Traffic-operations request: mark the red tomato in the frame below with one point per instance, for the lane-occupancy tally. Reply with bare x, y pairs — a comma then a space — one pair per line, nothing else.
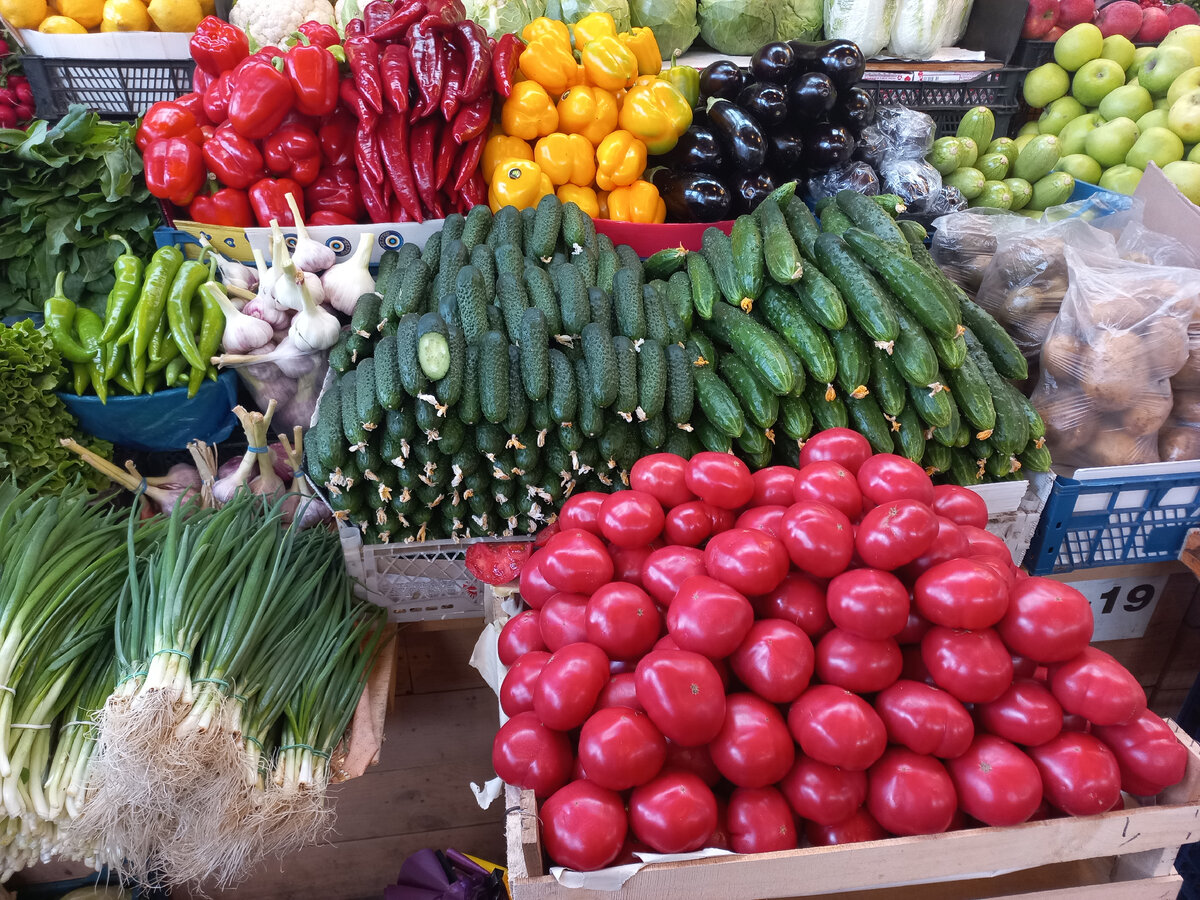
528, 755
673, 813
583, 826
974, 666
1149, 754
516, 691
960, 505
775, 660
622, 620
984, 543
773, 486
822, 793
750, 562
895, 533
858, 828
620, 748
829, 483
496, 563
996, 783
914, 667
1047, 621
1097, 687
915, 627
519, 635
722, 519
1026, 714
664, 477
688, 524
925, 720
621, 690
819, 538
961, 593
908, 793
696, 760
576, 561
535, 589
683, 695
1080, 775
768, 519
582, 511
631, 518
837, 727
753, 747
798, 600
668, 568
628, 562
856, 663
949, 544
709, 617
1023, 667
720, 479
760, 821
870, 603
840, 445
886, 477
563, 620
571, 681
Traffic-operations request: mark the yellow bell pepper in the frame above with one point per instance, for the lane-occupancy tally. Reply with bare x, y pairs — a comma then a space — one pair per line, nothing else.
638, 202
657, 114
528, 113
589, 111
543, 26
520, 183
566, 159
500, 148
592, 26
602, 203
620, 160
583, 197
550, 63
644, 47
609, 64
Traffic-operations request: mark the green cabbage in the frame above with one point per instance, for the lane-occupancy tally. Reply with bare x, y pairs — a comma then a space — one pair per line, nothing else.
571, 11
737, 27
502, 16
672, 21
798, 20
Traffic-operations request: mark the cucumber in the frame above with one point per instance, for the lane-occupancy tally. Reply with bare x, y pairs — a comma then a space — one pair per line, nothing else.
585, 261
326, 441
974, 397
652, 379
578, 230
449, 388
933, 405
360, 347
387, 373
850, 348
573, 302
746, 242
539, 415
508, 258
415, 285
352, 426
786, 317
718, 403
757, 345
628, 258
909, 438
834, 221
703, 285
412, 376
447, 308
482, 259
427, 416
784, 263
546, 225
469, 293
864, 299
490, 440
626, 401
914, 233
1011, 431
758, 401
867, 419
717, 249
1001, 465
452, 227
388, 269
454, 257
433, 346
535, 359
612, 441
948, 435
906, 280
366, 320
431, 253
506, 227
869, 217
799, 380
563, 395
820, 300
540, 290
912, 352
339, 354
493, 376
681, 394
1033, 420
887, 385
1035, 458
795, 418
602, 308
681, 443
518, 404
950, 352
606, 262
754, 447
652, 305
601, 358
679, 299
1000, 347
591, 416
665, 263
827, 408
674, 327
654, 432
802, 225
711, 437
630, 313
513, 301
937, 458
477, 227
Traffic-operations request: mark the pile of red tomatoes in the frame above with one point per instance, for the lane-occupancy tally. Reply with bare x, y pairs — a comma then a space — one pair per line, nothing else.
834, 653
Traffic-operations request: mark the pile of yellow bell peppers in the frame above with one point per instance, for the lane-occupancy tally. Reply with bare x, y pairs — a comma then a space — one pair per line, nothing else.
589, 108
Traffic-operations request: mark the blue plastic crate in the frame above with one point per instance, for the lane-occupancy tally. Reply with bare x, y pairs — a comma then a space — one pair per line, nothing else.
1114, 521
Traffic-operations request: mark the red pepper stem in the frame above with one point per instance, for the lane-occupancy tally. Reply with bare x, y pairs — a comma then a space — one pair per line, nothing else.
277, 62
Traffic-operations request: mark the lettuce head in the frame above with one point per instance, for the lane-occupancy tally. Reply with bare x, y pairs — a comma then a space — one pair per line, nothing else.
571, 11
672, 21
799, 20
502, 16
737, 27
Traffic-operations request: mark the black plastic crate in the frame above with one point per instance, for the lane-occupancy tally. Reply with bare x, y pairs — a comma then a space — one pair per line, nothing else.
123, 88
948, 101
1031, 54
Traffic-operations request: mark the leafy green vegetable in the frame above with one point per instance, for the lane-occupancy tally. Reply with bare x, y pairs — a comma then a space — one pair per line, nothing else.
571, 11
673, 23
34, 418
502, 16
737, 27
799, 20
63, 191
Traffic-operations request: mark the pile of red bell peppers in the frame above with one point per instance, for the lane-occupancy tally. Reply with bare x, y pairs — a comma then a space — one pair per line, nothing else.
385, 123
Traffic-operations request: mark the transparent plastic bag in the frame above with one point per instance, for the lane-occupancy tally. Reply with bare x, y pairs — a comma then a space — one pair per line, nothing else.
1139, 244
964, 242
857, 176
910, 179
1180, 435
872, 146
947, 199
289, 377
909, 133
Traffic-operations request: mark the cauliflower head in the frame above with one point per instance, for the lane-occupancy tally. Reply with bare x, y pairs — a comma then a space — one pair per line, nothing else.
271, 21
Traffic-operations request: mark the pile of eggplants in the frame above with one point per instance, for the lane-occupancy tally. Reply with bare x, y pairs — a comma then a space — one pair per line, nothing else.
797, 111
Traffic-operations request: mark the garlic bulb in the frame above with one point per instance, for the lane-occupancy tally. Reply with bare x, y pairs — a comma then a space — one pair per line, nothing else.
313, 328
349, 280
309, 255
243, 333
263, 305
233, 274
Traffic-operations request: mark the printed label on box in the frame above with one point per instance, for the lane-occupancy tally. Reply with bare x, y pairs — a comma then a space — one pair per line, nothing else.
1122, 607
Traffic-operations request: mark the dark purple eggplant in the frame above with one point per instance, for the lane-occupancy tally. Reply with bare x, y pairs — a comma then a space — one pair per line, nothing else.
697, 150
740, 136
843, 62
693, 196
749, 191
766, 102
810, 97
855, 109
827, 145
774, 62
785, 150
722, 78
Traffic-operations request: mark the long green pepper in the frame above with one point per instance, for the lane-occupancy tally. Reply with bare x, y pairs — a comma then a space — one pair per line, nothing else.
59, 314
212, 329
90, 326
123, 297
191, 275
160, 273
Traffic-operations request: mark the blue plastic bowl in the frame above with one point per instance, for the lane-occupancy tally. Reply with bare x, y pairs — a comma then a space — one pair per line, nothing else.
164, 420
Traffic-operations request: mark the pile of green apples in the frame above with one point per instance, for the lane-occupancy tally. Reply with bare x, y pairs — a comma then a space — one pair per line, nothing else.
1116, 108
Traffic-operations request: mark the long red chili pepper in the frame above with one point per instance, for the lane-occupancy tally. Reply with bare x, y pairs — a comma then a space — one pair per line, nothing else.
447, 155
363, 56
428, 66
473, 193
468, 161
404, 15
452, 83
395, 71
472, 120
394, 143
473, 42
504, 63
421, 145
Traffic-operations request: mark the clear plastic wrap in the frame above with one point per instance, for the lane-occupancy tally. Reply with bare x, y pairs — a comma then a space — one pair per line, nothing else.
948, 199
964, 242
1121, 334
911, 179
856, 176
872, 146
1180, 435
909, 132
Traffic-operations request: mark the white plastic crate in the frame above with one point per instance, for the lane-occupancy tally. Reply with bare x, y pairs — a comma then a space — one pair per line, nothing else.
1014, 509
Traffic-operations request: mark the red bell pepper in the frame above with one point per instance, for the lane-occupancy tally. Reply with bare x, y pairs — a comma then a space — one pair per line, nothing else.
218, 46
394, 144
174, 169
216, 98
293, 151
404, 15
200, 80
268, 197
335, 190
234, 160
363, 56
472, 40
208, 131
325, 217
337, 138
451, 82
261, 97
193, 102
504, 63
356, 27
394, 72
313, 73
228, 206
320, 34
167, 119
472, 120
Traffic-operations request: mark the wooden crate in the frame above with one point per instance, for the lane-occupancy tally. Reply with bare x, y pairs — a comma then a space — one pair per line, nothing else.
1120, 855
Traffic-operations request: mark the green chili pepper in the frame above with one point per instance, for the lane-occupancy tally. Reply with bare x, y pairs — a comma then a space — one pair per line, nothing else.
159, 274
686, 80
154, 380
175, 369
79, 377
114, 355
124, 295
162, 348
212, 329
125, 381
59, 313
191, 275
90, 326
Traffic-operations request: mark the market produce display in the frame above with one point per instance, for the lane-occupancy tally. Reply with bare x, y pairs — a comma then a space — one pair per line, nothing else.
761, 672
16, 97
909, 29
104, 16
1145, 22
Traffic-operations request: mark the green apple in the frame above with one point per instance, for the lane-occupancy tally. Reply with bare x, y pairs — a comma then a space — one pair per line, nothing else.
1185, 176
1184, 83
1045, 84
1139, 57
1155, 145
1156, 118
1030, 128
1194, 154
1120, 50
1129, 100
1123, 179
1109, 144
1095, 80
1162, 67
1184, 117
1186, 36
1079, 45
1060, 112
1074, 133
1080, 166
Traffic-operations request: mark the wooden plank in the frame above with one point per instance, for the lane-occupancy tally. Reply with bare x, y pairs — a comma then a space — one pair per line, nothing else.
439, 660
1147, 657
452, 726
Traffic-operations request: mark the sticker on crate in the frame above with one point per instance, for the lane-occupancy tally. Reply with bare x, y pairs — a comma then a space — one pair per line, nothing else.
1121, 607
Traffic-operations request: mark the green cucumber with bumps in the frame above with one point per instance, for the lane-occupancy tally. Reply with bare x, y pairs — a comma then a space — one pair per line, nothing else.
717, 401
602, 364
868, 420
449, 388
681, 390
757, 345
540, 290
563, 397
865, 300
758, 401
703, 284
787, 318
412, 377
652, 379
573, 303
868, 216
433, 346
628, 303
783, 260
534, 342
493, 376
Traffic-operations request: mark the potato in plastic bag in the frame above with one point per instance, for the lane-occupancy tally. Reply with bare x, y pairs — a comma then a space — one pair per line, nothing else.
964, 242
